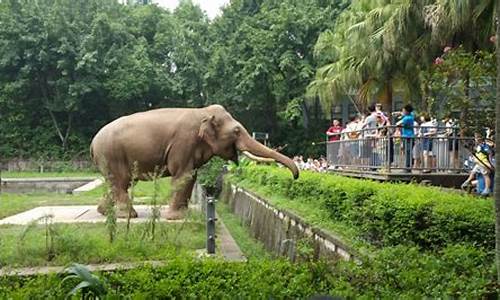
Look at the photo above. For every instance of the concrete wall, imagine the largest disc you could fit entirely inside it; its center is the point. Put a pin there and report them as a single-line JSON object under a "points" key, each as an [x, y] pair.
{"points": [[31, 185], [280, 231]]}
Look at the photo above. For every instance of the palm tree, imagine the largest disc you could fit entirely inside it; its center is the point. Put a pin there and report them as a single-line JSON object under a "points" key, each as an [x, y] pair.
{"points": [[376, 48], [469, 23]]}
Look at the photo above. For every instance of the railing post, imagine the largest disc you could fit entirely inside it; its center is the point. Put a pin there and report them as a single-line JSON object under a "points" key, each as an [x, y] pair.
{"points": [[388, 149], [211, 225]]}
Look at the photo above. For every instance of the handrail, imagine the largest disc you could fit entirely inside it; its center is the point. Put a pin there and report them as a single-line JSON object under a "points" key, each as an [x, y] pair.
{"points": [[381, 148]]}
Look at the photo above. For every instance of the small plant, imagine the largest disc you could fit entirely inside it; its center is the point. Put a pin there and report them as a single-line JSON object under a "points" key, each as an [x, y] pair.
{"points": [[90, 285], [155, 208], [135, 176], [111, 223], [210, 174], [305, 249], [50, 234]]}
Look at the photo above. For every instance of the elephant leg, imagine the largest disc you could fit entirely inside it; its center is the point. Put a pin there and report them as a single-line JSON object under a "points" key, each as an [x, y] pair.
{"points": [[183, 187], [103, 205], [124, 208], [119, 197]]}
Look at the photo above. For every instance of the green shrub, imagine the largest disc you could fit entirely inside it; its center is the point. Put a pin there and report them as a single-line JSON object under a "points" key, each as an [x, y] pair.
{"points": [[385, 214], [396, 272], [209, 174]]}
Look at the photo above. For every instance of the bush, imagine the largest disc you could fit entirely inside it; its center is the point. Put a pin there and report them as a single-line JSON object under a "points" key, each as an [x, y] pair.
{"points": [[209, 175], [396, 272], [385, 214]]}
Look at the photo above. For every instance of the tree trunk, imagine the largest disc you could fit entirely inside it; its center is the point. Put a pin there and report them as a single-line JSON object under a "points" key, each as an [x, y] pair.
{"points": [[497, 153], [385, 98], [464, 113], [305, 114]]}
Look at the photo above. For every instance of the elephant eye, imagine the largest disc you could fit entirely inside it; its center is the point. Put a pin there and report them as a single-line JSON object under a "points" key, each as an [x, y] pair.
{"points": [[237, 130]]}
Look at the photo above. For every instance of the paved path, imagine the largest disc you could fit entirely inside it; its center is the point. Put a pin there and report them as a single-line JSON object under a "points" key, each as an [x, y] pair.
{"points": [[228, 247], [59, 269], [89, 186], [78, 214]]}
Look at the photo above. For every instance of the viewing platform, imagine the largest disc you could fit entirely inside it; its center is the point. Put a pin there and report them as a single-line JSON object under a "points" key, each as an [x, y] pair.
{"points": [[435, 155]]}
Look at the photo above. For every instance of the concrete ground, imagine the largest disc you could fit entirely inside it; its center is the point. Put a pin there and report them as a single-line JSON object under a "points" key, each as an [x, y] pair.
{"points": [[77, 214]]}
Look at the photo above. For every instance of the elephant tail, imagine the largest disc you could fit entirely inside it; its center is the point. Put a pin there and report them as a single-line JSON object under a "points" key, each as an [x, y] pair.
{"points": [[92, 152]]}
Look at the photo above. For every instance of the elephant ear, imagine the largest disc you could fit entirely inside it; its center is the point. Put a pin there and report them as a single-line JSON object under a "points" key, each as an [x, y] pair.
{"points": [[208, 133]]}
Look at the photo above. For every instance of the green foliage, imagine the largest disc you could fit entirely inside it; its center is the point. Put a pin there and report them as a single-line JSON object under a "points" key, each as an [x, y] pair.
{"points": [[89, 285], [84, 63], [385, 214], [209, 175], [399, 272], [462, 84]]}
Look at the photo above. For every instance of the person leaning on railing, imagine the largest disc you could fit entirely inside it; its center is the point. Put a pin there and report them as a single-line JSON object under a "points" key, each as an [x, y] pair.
{"points": [[334, 131]]}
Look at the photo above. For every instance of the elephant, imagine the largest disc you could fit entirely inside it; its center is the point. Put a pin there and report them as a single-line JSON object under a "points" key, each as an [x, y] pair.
{"points": [[176, 141]]}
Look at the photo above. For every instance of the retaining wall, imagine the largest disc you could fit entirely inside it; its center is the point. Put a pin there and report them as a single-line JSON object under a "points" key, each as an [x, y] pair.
{"points": [[31, 185], [281, 231]]}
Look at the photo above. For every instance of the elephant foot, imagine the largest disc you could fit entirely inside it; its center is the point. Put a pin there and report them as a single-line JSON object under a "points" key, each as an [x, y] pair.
{"points": [[101, 209], [174, 214], [123, 212]]}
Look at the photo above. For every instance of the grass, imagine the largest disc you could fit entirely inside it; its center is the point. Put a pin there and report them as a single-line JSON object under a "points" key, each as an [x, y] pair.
{"points": [[7, 174], [89, 243], [367, 214], [250, 247], [11, 203], [309, 212]]}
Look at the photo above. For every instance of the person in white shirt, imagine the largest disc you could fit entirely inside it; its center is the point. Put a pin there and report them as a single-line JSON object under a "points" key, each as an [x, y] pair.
{"points": [[427, 131]]}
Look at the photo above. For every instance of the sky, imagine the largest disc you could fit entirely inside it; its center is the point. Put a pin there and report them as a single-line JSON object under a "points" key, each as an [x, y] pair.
{"points": [[210, 6]]}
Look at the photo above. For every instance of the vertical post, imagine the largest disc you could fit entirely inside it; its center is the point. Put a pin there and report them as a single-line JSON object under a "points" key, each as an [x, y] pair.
{"points": [[388, 148], [211, 225]]}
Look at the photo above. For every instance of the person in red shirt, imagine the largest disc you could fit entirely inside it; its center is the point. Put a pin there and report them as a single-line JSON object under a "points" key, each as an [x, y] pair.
{"points": [[334, 131]]}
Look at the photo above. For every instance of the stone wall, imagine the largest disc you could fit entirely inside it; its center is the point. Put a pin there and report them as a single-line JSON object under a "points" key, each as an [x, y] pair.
{"points": [[281, 231]]}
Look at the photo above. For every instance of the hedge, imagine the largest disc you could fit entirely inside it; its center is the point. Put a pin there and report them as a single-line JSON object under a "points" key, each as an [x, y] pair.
{"points": [[398, 272], [384, 214]]}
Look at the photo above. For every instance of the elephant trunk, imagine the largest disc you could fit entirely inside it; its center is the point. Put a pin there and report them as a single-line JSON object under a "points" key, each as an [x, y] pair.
{"points": [[246, 143]]}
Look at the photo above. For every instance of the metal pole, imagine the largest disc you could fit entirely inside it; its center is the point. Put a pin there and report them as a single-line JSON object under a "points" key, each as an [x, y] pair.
{"points": [[211, 225]]}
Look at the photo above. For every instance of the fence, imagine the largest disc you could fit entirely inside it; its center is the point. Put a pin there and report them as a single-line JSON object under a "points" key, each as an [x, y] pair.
{"points": [[384, 149]]}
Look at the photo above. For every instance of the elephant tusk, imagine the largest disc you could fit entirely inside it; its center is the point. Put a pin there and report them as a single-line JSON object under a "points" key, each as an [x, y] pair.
{"points": [[258, 158]]}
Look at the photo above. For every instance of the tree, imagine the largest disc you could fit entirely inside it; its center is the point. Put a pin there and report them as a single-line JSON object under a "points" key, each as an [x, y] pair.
{"points": [[497, 153], [377, 47]]}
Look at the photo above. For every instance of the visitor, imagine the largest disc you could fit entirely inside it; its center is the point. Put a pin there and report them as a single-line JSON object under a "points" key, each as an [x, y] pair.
{"points": [[381, 141], [369, 136], [428, 130], [378, 109], [483, 166], [417, 145], [451, 133], [352, 135], [407, 134], [334, 131]]}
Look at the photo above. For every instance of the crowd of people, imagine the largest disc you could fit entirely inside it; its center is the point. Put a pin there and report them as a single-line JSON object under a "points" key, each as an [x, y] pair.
{"points": [[410, 143], [316, 165]]}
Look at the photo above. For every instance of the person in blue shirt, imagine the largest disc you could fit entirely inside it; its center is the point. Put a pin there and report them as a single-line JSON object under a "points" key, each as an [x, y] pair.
{"points": [[407, 134]]}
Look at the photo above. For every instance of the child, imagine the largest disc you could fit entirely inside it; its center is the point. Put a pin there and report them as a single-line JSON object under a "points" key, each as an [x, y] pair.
{"points": [[482, 165]]}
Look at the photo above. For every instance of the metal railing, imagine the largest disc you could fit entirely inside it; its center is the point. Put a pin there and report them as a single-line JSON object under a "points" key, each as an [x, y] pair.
{"points": [[384, 149]]}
